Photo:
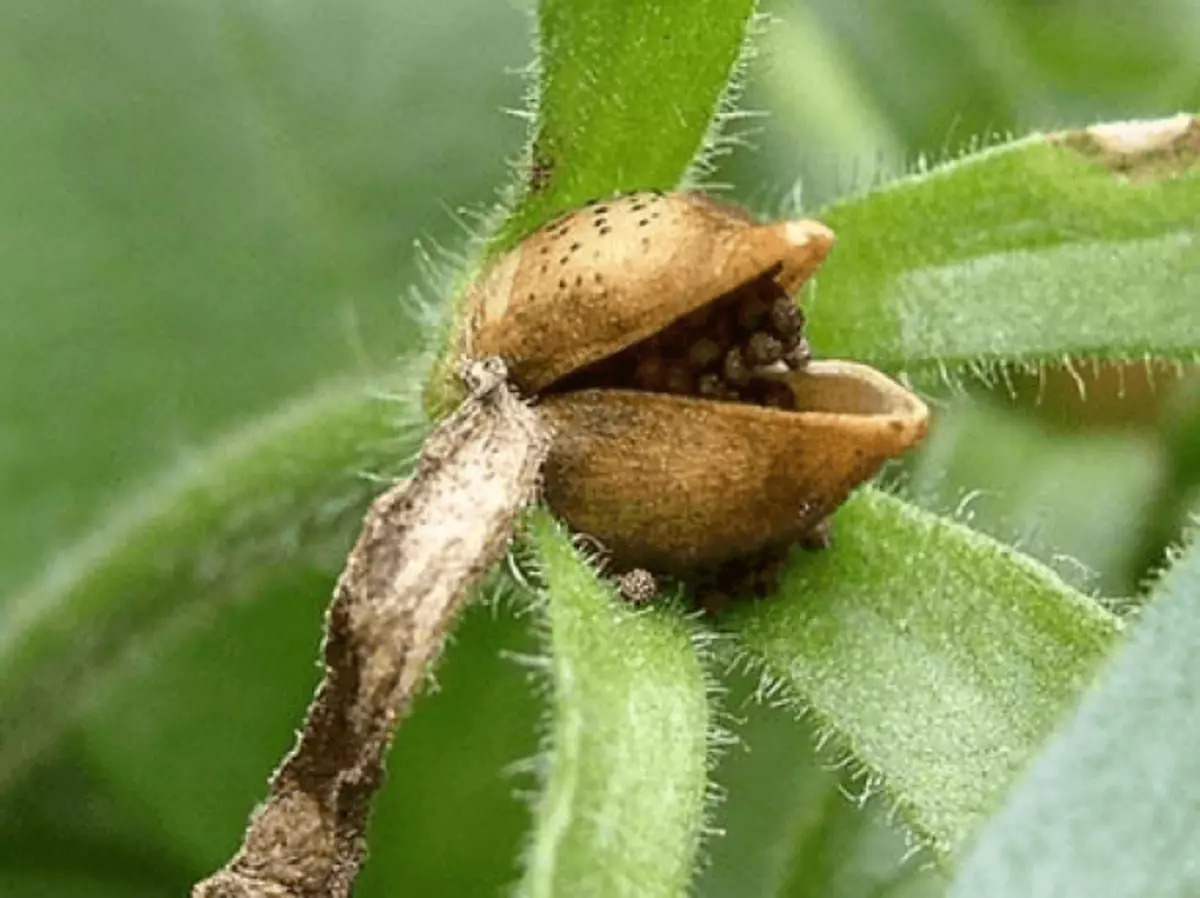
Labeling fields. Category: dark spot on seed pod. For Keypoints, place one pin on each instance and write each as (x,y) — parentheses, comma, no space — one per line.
(575,246)
(562,284)
(545,268)
(579,280)
(643,222)
(604,231)
(597,277)
(600,210)
(545,250)
(563,260)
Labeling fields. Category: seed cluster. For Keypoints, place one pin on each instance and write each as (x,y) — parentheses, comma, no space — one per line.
(732,349)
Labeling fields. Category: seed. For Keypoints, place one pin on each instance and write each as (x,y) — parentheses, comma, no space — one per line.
(679,380)
(735,369)
(637,586)
(763,349)
(786,317)
(704,352)
(711,385)
(799,355)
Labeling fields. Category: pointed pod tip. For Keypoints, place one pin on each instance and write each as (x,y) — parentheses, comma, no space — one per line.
(805,232)
(801,245)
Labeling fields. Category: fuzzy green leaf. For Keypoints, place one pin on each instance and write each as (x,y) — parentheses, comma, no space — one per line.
(626,98)
(291,488)
(1036,251)
(790,824)
(938,658)
(622,806)
(1112,807)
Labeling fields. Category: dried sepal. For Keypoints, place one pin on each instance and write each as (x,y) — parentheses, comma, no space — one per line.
(675,483)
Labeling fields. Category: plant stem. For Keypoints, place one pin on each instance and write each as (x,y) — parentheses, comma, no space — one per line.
(423,544)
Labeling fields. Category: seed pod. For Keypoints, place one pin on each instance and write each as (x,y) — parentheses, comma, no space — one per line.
(672,483)
(612,273)
(691,427)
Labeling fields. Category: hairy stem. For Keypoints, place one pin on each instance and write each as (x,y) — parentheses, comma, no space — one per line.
(423,544)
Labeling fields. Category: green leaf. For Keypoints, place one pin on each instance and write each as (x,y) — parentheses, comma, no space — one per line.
(939,659)
(63,833)
(1042,250)
(790,823)
(1075,501)
(625,779)
(188,741)
(626,98)
(212,209)
(1112,806)
(290,488)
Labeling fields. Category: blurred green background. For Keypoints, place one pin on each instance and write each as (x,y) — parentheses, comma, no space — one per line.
(209,206)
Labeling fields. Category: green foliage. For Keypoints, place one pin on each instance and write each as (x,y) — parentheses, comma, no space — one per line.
(798,826)
(626,773)
(953,268)
(284,488)
(211,207)
(627,94)
(939,659)
(1112,806)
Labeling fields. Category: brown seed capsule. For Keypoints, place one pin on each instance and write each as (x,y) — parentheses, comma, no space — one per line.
(673,483)
(691,427)
(573,293)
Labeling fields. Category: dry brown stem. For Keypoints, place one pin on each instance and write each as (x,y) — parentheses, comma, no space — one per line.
(423,544)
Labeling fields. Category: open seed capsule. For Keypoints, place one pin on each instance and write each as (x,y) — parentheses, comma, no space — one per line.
(659,335)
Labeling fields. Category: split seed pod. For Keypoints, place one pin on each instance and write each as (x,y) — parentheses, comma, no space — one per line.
(660,334)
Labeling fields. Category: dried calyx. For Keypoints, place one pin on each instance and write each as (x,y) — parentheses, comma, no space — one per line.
(692,427)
